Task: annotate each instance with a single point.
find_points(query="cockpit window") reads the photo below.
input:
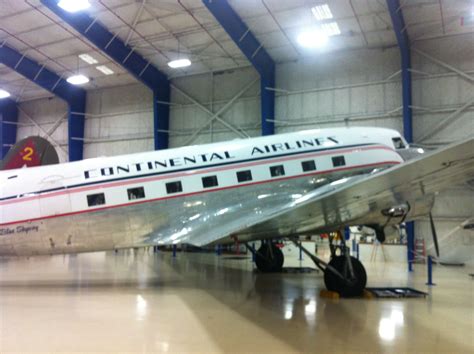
(398, 143)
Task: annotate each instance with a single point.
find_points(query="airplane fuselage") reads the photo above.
(178, 195)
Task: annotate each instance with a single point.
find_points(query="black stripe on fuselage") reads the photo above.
(183, 170)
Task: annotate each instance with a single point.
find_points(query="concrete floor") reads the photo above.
(200, 303)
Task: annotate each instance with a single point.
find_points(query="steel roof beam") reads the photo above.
(50, 81)
(255, 53)
(126, 57)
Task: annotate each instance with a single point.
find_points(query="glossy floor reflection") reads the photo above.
(201, 303)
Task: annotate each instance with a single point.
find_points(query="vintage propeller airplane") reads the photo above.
(266, 188)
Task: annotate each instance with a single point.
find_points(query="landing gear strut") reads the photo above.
(269, 258)
(343, 274)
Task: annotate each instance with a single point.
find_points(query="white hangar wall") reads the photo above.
(353, 88)
(442, 91)
(214, 91)
(119, 121)
(359, 87)
(311, 93)
(440, 94)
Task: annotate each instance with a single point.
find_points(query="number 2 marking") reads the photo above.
(28, 152)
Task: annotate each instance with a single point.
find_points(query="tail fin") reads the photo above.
(30, 152)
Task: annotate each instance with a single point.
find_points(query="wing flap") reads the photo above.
(348, 201)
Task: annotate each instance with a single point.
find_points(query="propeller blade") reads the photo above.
(434, 234)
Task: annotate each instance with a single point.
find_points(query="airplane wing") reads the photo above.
(350, 201)
(361, 201)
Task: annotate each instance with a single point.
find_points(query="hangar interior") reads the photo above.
(354, 79)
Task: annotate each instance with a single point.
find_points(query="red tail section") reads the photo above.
(30, 152)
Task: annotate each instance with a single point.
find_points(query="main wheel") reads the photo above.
(269, 258)
(354, 287)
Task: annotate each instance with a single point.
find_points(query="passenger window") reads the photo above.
(96, 199)
(276, 171)
(244, 176)
(338, 161)
(174, 187)
(136, 193)
(398, 143)
(209, 181)
(309, 165)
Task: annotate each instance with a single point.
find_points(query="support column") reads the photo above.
(267, 104)
(403, 41)
(161, 115)
(8, 127)
(406, 95)
(410, 229)
(76, 123)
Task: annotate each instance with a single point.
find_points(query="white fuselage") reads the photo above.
(172, 196)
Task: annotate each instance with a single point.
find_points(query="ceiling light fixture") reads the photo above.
(4, 94)
(78, 79)
(330, 29)
(88, 58)
(312, 39)
(74, 5)
(322, 12)
(179, 63)
(104, 70)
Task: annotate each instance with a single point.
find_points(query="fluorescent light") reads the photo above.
(105, 70)
(330, 29)
(312, 39)
(77, 79)
(322, 12)
(179, 63)
(88, 59)
(74, 5)
(4, 94)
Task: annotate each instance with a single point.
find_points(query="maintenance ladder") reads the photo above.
(420, 251)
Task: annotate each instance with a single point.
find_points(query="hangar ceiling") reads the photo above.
(163, 30)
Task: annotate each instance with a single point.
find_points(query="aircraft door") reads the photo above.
(57, 201)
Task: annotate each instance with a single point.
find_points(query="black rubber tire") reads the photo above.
(334, 283)
(264, 260)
